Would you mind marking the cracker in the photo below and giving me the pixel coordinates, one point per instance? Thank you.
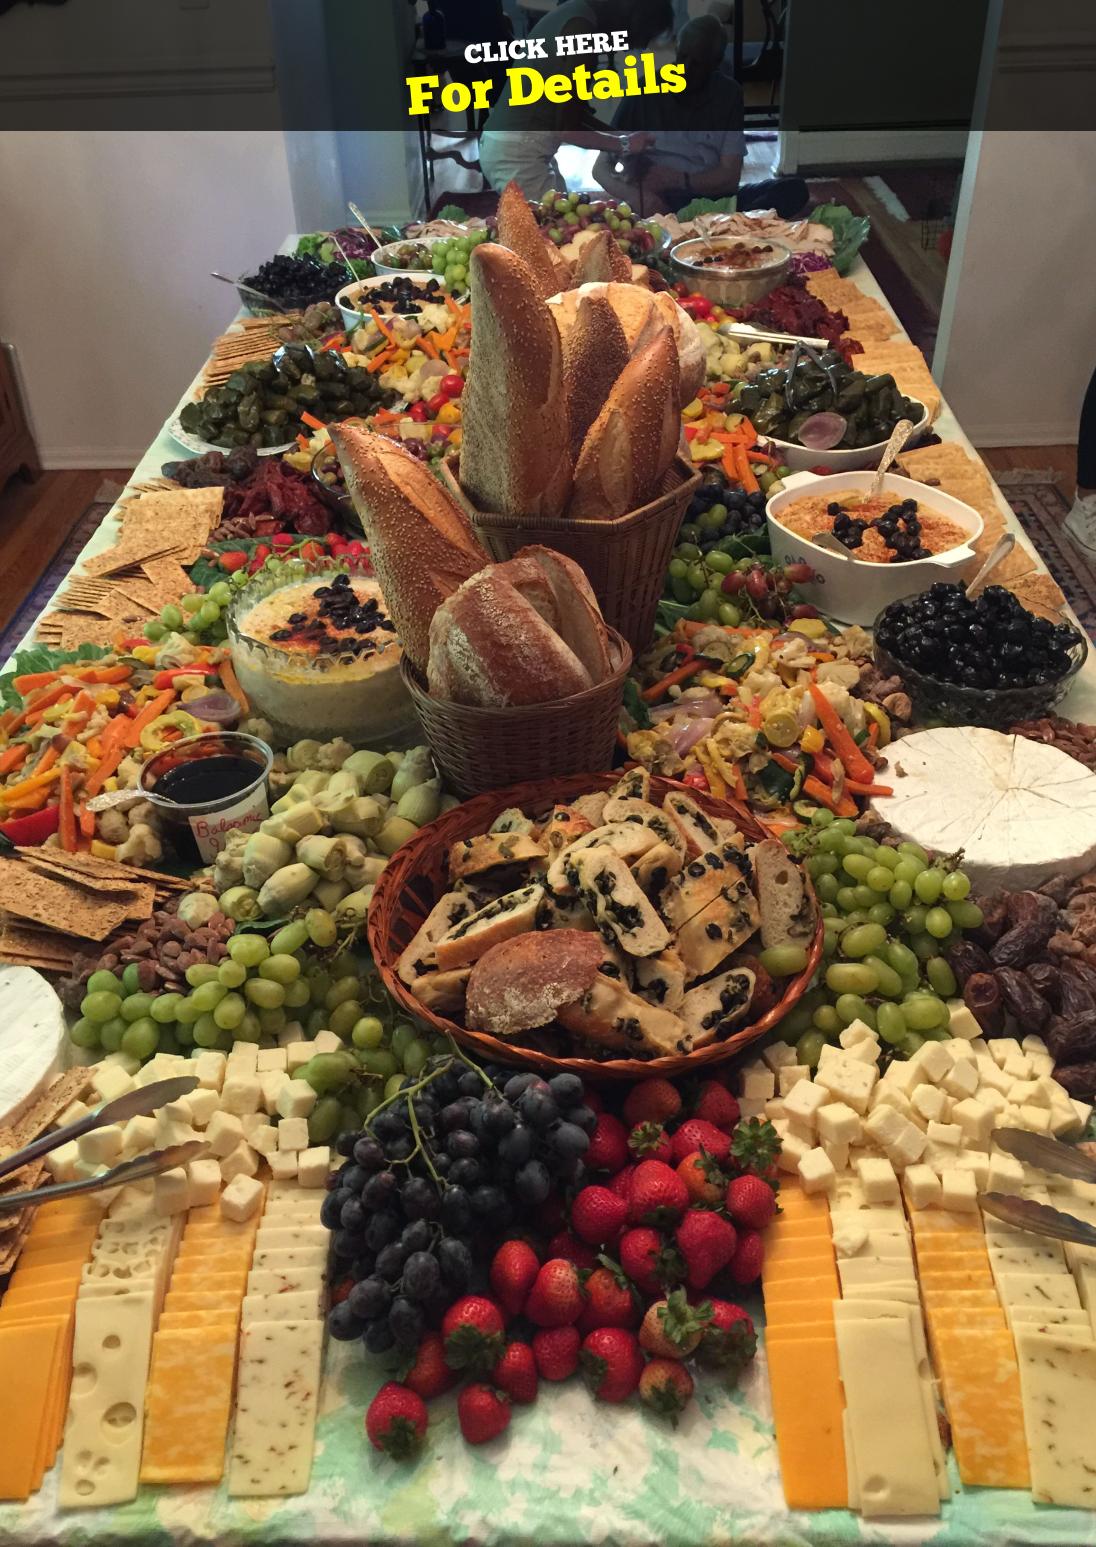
(44, 1112)
(169, 577)
(28, 893)
(13, 1245)
(70, 630)
(1039, 593)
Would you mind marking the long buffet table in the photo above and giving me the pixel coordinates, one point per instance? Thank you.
(569, 1469)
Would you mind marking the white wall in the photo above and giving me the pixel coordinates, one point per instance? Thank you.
(1017, 340)
(106, 243)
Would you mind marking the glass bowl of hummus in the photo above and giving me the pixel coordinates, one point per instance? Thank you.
(317, 654)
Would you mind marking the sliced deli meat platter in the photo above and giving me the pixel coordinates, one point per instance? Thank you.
(584, 971)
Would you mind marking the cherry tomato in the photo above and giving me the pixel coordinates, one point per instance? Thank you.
(452, 385)
(419, 412)
(436, 404)
(233, 560)
(696, 779)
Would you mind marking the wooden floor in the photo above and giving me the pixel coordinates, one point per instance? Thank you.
(35, 519)
(1062, 460)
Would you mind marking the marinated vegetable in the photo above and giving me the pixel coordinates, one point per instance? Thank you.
(871, 405)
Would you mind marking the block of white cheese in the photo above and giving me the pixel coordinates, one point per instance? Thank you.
(1020, 811)
(32, 1037)
(101, 1459)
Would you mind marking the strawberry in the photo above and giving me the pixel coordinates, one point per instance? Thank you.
(650, 1141)
(396, 1421)
(705, 1181)
(707, 1243)
(555, 1350)
(428, 1375)
(483, 1413)
(716, 1105)
(755, 1144)
(608, 1149)
(621, 1184)
(696, 1134)
(651, 1101)
(750, 1202)
(666, 1386)
(672, 1328)
(472, 1332)
(598, 1215)
(564, 1244)
(745, 1265)
(514, 1268)
(516, 1373)
(645, 1260)
(658, 1195)
(729, 1341)
(612, 1363)
(610, 1299)
(556, 1299)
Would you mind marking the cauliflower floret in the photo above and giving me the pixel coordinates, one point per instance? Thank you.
(141, 813)
(850, 709)
(129, 771)
(257, 726)
(332, 754)
(112, 825)
(142, 847)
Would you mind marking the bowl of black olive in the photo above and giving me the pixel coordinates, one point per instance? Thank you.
(418, 296)
(985, 660)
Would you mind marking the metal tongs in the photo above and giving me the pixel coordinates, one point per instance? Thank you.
(141, 1102)
(1025, 1214)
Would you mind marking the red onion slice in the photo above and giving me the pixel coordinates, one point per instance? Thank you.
(822, 432)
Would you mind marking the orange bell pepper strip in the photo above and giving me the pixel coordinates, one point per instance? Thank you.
(66, 831)
(231, 684)
(28, 786)
(14, 757)
(312, 422)
(383, 327)
(856, 764)
(47, 760)
(152, 711)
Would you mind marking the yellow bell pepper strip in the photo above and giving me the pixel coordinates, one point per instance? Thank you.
(716, 782)
(164, 728)
(103, 850)
(856, 764)
(812, 739)
(14, 793)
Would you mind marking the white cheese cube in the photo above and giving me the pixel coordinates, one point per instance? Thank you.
(293, 1133)
(975, 1120)
(948, 1135)
(203, 1102)
(1043, 1094)
(61, 1162)
(174, 1133)
(848, 1237)
(176, 1112)
(1024, 1090)
(905, 1077)
(110, 1080)
(775, 1108)
(802, 1104)
(994, 1078)
(1002, 1048)
(790, 1075)
(961, 1080)
(313, 1165)
(800, 1130)
(958, 1191)
(271, 1085)
(1006, 1174)
(847, 1080)
(781, 1055)
(961, 1021)
(283, 1165)
(224, 1132)
(928, 1102)
(971, 1160)
(208, 1068)
(792, 1150)
(1064, 1120)
(828, 1051)
(1032, 1044)
(922, 1187)
(1035, 1119)
(838, 1124)
(264, 1140)
(751, 1106)
(816, 1172)
(758, 1084)
(298, 1053)
(867, 1050)
(241, 1161)
(72, 1114)
(1018, 1065)
(241, 1091)
(888, 1096)
(241, 1197)
(171, 1191)
(1042, 1064)
(883, 1125)
(991, 1098)
(934, 1061)
(855, 1031)
(981, 1048)
(270, 1058)
(243, 1058)
(84, 1170)
(102, 1146)
(908, 1147)
(876, 1176)
(126, 1061)
(960, 1049)
(328, 1042)
(204, 1177)
(252, 1122)
(838, 1155)
(138, 1135)
(296, 1098)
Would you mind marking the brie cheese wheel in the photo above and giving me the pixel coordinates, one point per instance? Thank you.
(32, 1039)
(1020, 811)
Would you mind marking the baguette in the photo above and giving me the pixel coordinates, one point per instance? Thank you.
(631, 443)
(601, 261)
(610, 1014)
(518, 230)
(521, 983)
(595, 353)
(421, 544)
(640, 813)
(641, 313)
(788, 913)
(658, 866)
(579, 622)
(514, 458)
(564, 826)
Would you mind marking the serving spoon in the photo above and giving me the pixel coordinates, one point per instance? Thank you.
(267, 300)
(366, 227)
(1000, 550)
(898, 438)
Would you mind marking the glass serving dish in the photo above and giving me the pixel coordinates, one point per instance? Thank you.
(952, 703)
(330, 485)
(355, 691)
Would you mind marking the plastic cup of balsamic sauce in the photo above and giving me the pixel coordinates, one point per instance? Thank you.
(205, 787)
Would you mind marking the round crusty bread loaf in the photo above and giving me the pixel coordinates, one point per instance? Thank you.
(515, 459)
(595, 352)
(630, 444)
(520, 984)
(640, 313)
(489, 646)
(421, 544)
(518, 230)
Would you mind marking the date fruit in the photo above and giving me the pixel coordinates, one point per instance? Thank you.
(1079, 1080)
(1021, 1000)
(1072, 1040)
(982, 996)
(965, 958)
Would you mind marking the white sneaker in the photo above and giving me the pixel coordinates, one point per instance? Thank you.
(1080, 525)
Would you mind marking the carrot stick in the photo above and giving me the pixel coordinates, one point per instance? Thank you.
(376, 316)
(824, 796)
(105, 767)
(782, 760)
(312, 422)
(379, 361)
(679, 674)
(231, 684)
(47, 760)
(762, 456)
(856, 764)
(746, 475)
(740, 786)
(13, 757)
(67, 830)
(31, 681)
(85, 820)
(458, 311)
(152, 711)
(101, 674)
(855, 786)
(428, 347)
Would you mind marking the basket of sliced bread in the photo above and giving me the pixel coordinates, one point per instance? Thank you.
(571, 419)
(607, 924)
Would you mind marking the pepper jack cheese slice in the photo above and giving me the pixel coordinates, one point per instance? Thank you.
(1058, 1388)
(101, 1457)
(276, 1403)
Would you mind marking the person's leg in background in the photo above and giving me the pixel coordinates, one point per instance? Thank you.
(1080, 524)
(788, 196)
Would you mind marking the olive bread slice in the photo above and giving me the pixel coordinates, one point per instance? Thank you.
(611, 1015)
(419, 958)
(700, 831)
(788, 914)
(710, 1010)
(661, 979)
(612, 894)
(471, 856)
(701, 882)
(708, 938)
(629, 839)
(466, 942)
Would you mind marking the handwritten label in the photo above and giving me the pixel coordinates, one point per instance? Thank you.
(211, 832)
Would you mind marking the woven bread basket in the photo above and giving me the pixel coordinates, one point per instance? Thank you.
(625, 559)
(417, 875)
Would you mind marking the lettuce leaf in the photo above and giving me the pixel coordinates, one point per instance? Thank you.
(726, 206)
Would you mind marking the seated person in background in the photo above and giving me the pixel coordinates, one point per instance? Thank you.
(520, 143)
(699, 139)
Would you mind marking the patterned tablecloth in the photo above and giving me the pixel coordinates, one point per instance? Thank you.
(569, 1470)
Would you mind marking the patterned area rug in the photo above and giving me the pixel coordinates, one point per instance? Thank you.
(1041, 507)
(57, 569)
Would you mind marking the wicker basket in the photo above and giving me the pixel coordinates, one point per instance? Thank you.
(417, 875)
(625, 559)
(482, 749)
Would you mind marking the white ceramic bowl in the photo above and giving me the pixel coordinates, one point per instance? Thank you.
(852, 590)
(385, 261)
(799, 458)
(350, 306)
